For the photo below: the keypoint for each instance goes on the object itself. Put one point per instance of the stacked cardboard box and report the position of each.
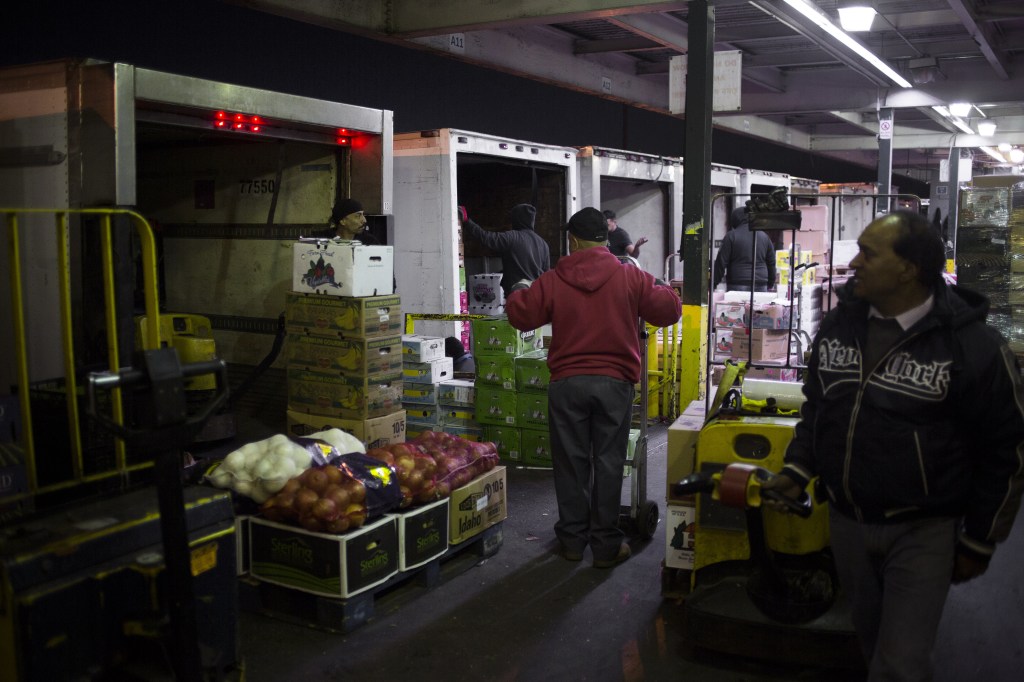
(990, 254)
(344, 352)
(512, 399)
(424, 367)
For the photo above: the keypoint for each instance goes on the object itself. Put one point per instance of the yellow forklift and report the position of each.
(763, 583)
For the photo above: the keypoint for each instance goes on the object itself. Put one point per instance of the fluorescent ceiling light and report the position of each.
(1005, 146)
(955, 120)
(960, 108)
(986, 128)
(815, 15)
(994, 154)
(1016, 155)
(856, 17)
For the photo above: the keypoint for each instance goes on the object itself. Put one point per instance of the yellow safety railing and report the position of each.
(22, 346)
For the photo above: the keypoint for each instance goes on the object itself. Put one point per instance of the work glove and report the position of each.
(463, 214)
(521, 284)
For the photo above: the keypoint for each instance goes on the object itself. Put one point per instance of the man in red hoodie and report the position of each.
(593, 303)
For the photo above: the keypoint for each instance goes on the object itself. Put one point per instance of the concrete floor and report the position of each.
(527, 615)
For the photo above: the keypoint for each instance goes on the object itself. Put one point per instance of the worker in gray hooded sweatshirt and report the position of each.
(524, 254)
(744, 253)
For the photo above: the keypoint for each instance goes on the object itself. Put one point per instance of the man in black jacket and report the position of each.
(524, 254)
(745, 256)
(914, 426)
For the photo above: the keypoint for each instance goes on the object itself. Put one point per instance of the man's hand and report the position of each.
(639, 242)
(967, 567)
(783, 485)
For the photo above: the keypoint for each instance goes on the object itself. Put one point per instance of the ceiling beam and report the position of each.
(418, 18)
(631, 44)
(843, 96)
(983, 36)
(910, 139)
(816, 35)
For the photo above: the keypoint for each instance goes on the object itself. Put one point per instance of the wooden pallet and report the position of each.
(345, 615)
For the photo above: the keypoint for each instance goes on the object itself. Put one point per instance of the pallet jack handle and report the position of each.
(168, 431)
(739, 486)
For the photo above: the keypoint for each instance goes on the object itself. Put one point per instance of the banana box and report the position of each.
(349, 317)
(350, 356)
(375, 432)
(341, 395)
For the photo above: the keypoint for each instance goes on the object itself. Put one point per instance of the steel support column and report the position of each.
(696, 200)
(885, 134)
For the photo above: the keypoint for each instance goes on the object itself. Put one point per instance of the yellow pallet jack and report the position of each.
(763, 584)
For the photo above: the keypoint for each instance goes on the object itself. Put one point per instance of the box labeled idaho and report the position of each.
(322, 563)
(478, 505)
(342, 268)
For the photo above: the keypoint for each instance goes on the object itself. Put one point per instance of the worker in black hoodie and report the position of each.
(524, 254)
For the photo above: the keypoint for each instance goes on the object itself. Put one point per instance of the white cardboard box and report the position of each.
(417, 348)
(679, 536)
(342, 268)
(433, 372)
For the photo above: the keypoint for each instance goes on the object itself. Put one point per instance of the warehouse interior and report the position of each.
(585, 77)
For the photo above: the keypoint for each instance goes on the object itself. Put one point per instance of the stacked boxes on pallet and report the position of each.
(990, 254)
(344, 352)
(424, 366)
(505, 412)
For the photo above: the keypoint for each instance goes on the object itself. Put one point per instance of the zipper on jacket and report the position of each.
(920, 462)
(853, 419)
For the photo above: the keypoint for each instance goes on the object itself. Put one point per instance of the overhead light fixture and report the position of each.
(994, 154)
(955, 120)
(960, 108)
(1005, 147)
(811, 12)
(986, 128)
(856, 15)
(925, 70)
(1016, 155)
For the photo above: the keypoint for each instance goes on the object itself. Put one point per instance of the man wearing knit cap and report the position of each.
(745, 257)
(348, 222)
(524, 254)
(594, 304)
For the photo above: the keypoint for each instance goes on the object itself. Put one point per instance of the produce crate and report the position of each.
(347, 615)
